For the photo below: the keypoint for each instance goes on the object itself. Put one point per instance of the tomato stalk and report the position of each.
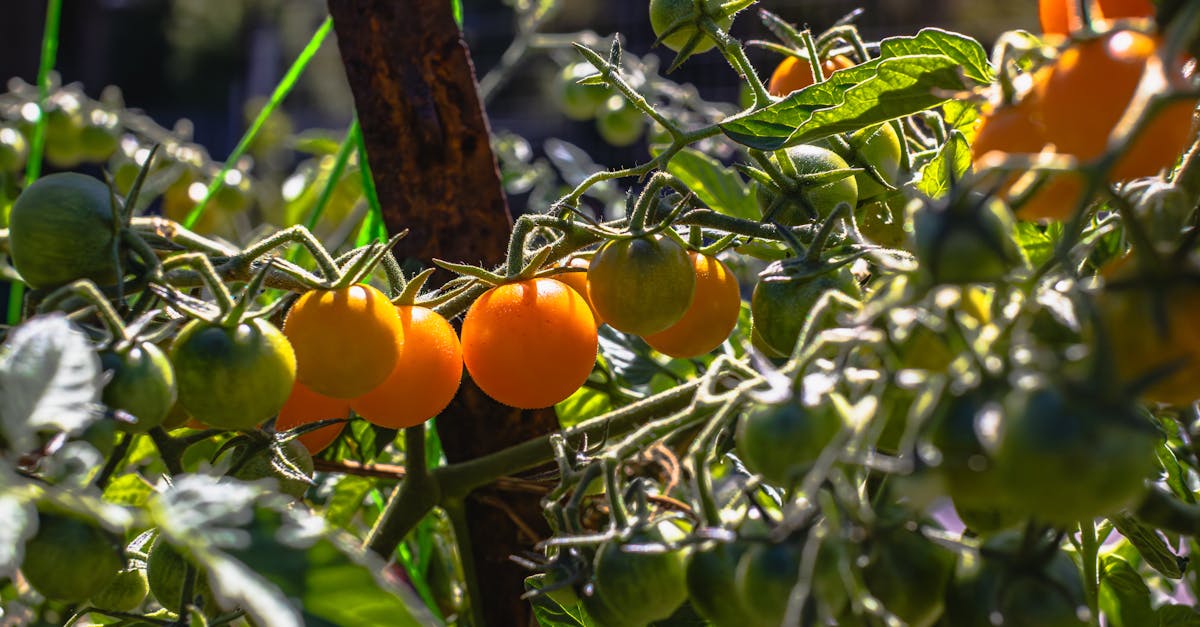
(733, 52)
(611, 74)
(1089, 555)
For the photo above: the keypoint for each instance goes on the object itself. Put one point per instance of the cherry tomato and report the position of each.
(1018, 591)
(876, 147)
(908, 573)
(971, 240)
(125, 593)
(781, 441)
(781, 302)
(305, 406)
(810, 201)
(580, 102)
(710, 318)
(529, 344)
(711, 576)
(426, 377)
(578, 281)
(620, 123)
(793, 73)
(665, 14)
(70, 559)
(142, 385)
(641, 285)
(638, 587)
(267, 464)
(165, 571)
(61, 229)
(233, 378)
(346, 340)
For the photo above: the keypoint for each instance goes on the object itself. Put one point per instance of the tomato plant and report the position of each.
(641, 285)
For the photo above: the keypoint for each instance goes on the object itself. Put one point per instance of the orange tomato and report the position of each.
(529, 344)
(426, 377)
(346, 340)
(794, 73)
(578, 282)
(710, 318)
(305, 406)
(1120, 9)
(1058, 17)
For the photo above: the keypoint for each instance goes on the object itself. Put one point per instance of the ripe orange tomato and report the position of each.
(426, 375)
(529, 344)
(710, 318)
(1058, 17)
(793, 73)
(346, 340)
(305, 406)
(578, 281)
(1119, 9)
(1086, 92)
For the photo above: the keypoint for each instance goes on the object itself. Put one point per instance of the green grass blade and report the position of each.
(281, 91)
(456, 6)
(33, 169)
(373, 227)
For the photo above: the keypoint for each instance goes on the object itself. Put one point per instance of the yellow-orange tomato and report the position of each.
(1120, 9)
(1087, 90)
(346, 340)
(529, 344)
(1061, 17)
(426, 375)
(305, 406)
(794, 73)
(578, 281)
(712, 315)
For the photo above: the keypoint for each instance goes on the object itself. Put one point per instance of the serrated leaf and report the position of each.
(1177, 616)
(715, 184)
(948, 167)
(50, 380)
(1124, 596)
(130, 490)
(912, 74)
(1150, 545)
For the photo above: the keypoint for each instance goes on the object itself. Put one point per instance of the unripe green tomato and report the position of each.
(810, 202)
(667, 13)
(61, 230)
(233, 378)
(620, 123)
(971, 241)
(765, 576)
(165, 572)
(142, 385)
(64, 137)
(711, 576)
(126, 592)
(580, 102)
(990, 588)
(780, 303)
(875, 147)
(641, 285)
(781, 441)
(102, 435)
(883, 222)
(70, 559)
(100, 137)
(908, 573)
(634, 589)
(262, 466)
(13, 149)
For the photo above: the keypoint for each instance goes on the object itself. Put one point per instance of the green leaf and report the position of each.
(911, 75)
(17, 513)
(50, 380)
(1037, 241)
(961, 115)
(130, 490)
(715, 184)
(1177, 616)
(347, 498)
(549, 613)
(583, 404)
(1124, 597)
(949, 166)
(1150, 545)
(1176, 475)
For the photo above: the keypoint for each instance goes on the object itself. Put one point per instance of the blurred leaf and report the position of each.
(1037, 241)
(1124, 597)
(583, 404)
(632, 367)
(347, 498)
(1176, 475)
(911, 75)
(1178, 616)
(50, 379)
(1150, 545)
(948, 167)
(17, 514)
(130, 490)
(716, 185)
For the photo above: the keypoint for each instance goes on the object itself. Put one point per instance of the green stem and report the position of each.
(1091, 567)
(732, 50)
(419, 493)
(457, 511)
(114, 461)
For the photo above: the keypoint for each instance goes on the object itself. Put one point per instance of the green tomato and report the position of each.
(641, 285)
(711, 575)
(70, 559)
(635, 589)
(165, 572)
(233, 378)
(126, 592)
(266, 465)
(883, 221)
(781, 441)
(13, 149)
(991, 587)
(1064, 457)
(807, 202)
(665, 14)
(98, 141)
(142, 385)
(908, 573)
(780, 302)
(875, 147)
(580, 102)
(969, 241)
(620, 123)
(61, 230)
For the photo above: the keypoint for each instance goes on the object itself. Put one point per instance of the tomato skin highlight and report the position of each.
(426, 376)
(346, 340)
(641, 285)
(61, 229)
(233, 378)
(305, 406)
(142, 384)
(529, 344)
(711, 317)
